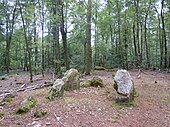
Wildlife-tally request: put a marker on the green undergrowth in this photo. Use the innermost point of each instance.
(69, 100)
(124, 105)
(1, 114)
(39, 114)
(7, 100)
(29, 103)
(99, 68)
(94, 82)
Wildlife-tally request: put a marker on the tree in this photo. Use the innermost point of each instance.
(27, 40)
(88, 65)
(9, 31)
(164, 34)
(63, 30)
(57, 61)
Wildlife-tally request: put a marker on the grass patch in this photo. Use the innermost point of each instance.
(40, 92)
(165, 97)
(116, 117)
(26, 105)
(99, 68)
(7, 99)
(1, 114)
(124, 105)
(69, 100)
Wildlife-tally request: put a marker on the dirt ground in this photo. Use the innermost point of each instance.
(91, 107)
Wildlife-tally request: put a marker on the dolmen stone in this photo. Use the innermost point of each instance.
(123, 84)
(69, 82)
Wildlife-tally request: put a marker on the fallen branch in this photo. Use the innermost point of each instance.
(58, 119)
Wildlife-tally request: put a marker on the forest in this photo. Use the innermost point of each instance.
(42, 40)
(40, 35)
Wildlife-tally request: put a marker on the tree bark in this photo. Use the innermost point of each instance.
(135, 47)
(88, 66)
(27, 45)
(145, 37)
(9, 38)
(63, 31)
(42, 28)
(164, 35)
(56, 38)
(36, 45)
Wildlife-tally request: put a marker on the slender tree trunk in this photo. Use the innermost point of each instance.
(160, 39)
(88, 66)
(9, 34)
(141, 52)
(35, 43)
(58, 53)
(145, 37)
(27, 45)
(63, 31)
(120, 56)
(95, 42)
(136, 3)
(135, 46)
(125, 45)
(42, 28)
(164, 35)
(56, 39)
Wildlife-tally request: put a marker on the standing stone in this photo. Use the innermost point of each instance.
(71, 80)
(57, 89)
(124, 86)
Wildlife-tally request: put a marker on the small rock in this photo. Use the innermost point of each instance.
(48, 123)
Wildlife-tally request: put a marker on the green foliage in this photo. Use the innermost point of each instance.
(109, 50)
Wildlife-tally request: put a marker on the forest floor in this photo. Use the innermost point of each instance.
(91, 107)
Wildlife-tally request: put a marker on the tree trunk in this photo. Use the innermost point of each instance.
(96, 38)
(145, 37)
(36, 45)
(63, 31)
(27, 45)
(135, 47)
(141, 53)
(120, 53)
(9, 38)
(136, 3)
(42, 28)
(88, 66)
(164, 35)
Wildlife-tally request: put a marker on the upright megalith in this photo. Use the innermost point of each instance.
(71, 80)
(57, 89)
(123, 84)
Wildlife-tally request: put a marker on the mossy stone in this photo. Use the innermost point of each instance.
(27, 104)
